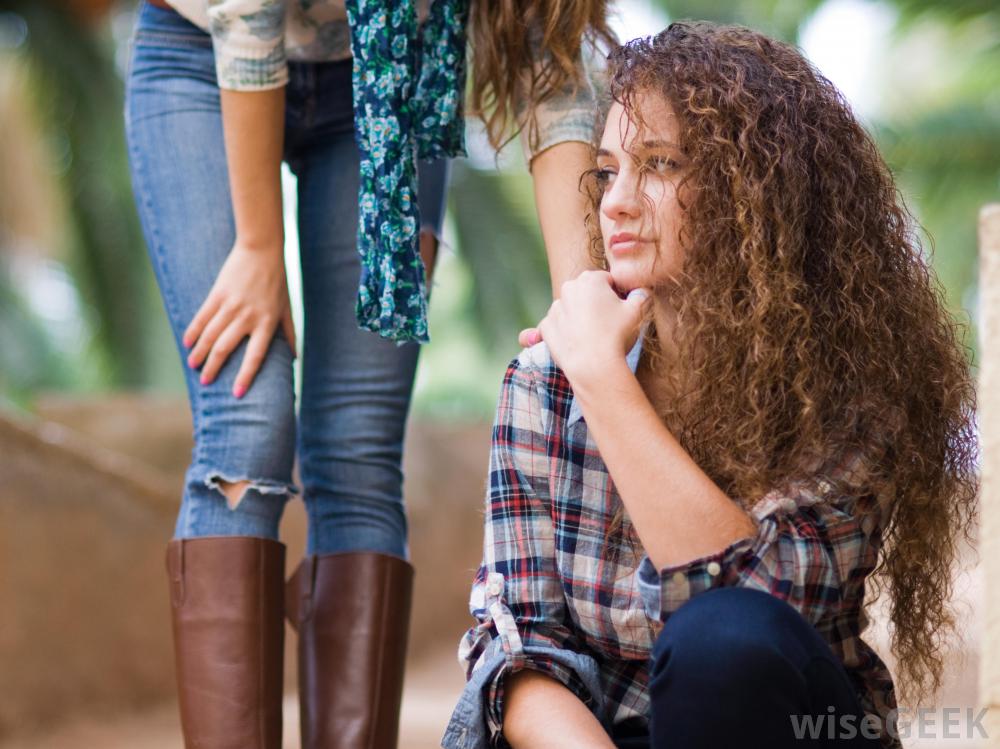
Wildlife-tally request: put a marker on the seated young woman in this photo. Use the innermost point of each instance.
(757, 413)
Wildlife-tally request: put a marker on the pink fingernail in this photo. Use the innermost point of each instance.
(204, 380)
(239, 391)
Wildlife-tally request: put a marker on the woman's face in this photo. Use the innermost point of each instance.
(640, 214)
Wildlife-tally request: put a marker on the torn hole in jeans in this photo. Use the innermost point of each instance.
(235, 489)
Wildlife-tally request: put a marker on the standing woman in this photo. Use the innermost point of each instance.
(218, 95)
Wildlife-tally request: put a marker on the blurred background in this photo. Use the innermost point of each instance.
(94, 431)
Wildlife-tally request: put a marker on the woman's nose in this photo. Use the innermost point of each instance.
(623, 197)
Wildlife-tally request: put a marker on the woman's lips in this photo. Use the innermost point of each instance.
(623, 243)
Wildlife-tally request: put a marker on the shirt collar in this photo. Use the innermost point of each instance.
(631, 359)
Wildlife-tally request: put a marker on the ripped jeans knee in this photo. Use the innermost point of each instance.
(235, 489)
(230, 503)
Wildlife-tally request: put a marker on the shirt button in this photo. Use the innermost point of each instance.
(494, 584)
(678, 577)
(713, 568)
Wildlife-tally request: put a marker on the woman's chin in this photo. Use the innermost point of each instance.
(627, 278)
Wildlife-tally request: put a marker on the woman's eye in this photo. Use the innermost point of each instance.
(663, 164)
(603, 176)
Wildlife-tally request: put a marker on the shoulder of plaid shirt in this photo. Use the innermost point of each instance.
(806, 550)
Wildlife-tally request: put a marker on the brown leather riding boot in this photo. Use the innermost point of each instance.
(352, 613)
(227, 599)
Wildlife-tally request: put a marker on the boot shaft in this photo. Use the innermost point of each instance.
(227, 604)
(352, 613)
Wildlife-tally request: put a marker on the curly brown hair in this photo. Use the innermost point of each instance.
(526, 51)
(809, 320)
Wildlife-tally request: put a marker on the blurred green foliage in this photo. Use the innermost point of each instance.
(77, 93)
(941, 132)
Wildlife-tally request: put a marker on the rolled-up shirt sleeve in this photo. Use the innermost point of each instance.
(806, 547)
(517, 597)
(248, 39)
(569, 114)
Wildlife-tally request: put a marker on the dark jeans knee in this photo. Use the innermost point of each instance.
(735, 666)
(735, 617)
(731, 635)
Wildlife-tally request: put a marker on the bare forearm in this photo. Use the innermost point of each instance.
(561, 209)
(541, 713)
(678, 511)
(254, 127)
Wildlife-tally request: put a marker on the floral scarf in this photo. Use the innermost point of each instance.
(409, 85)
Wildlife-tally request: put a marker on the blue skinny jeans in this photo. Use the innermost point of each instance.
(356, 387)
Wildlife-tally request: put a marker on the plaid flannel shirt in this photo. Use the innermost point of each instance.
(552, 596)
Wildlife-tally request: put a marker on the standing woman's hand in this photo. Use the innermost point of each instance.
(589, 326)
(249, 298)
(250, 294)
